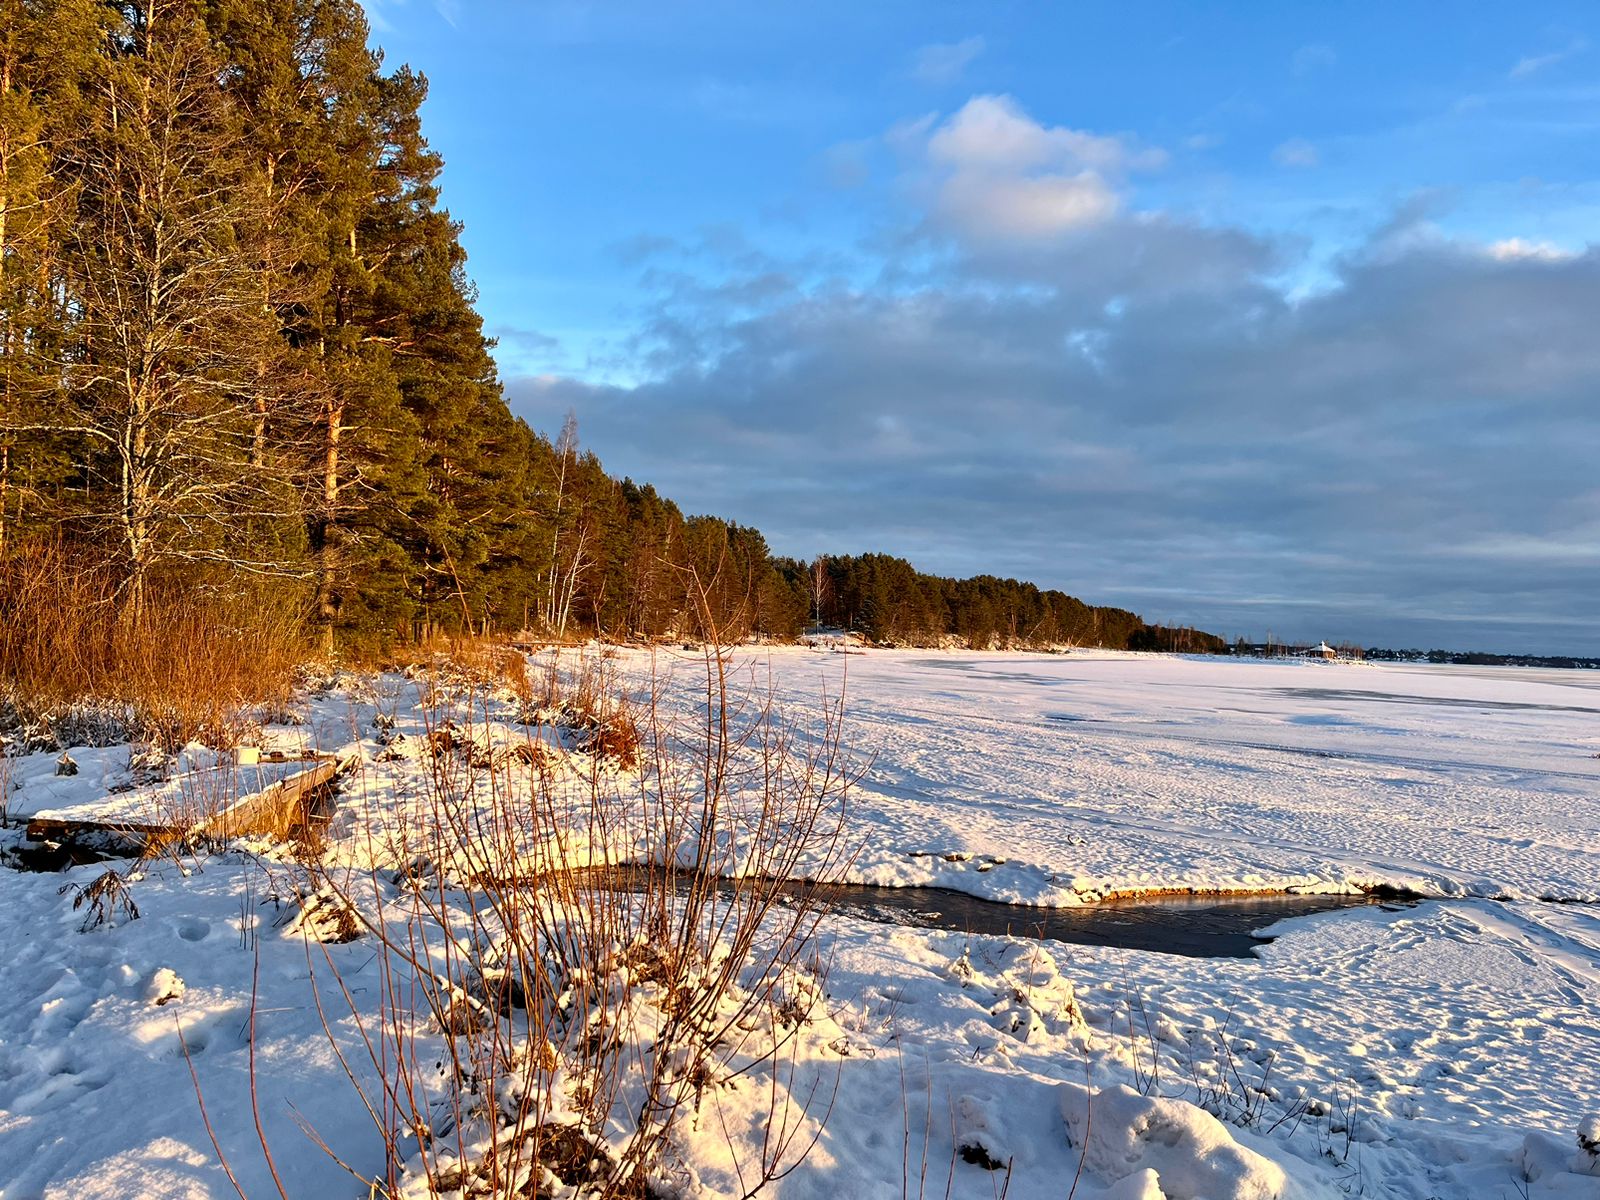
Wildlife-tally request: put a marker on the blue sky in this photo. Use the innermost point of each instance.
(1262, 317)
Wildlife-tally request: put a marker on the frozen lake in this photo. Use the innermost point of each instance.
(1089, 774)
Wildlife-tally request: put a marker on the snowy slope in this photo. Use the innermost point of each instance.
(1443, 1050)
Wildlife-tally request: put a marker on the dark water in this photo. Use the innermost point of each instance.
(1194, 926)
(51, 856)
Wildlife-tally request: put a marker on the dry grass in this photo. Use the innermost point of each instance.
(77, 666)
(616, 739)
(486, 660)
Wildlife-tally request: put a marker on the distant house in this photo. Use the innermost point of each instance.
(1290, 650)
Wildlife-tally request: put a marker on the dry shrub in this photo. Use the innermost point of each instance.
(544, 1017)
(106, 896)
(616, 739)
(327, 917)
(582, 695)
(481, 660)
(188, 664)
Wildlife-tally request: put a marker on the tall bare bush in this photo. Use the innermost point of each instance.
(548, 1010)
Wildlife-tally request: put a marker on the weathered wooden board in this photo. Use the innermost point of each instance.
(274, 809)
(222, 802)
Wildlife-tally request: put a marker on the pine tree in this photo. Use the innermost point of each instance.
(359, 445)
(47, 55)
(237, 333)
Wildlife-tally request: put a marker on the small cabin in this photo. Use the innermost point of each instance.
(1320, 650)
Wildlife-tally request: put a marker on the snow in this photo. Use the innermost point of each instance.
(109, 789)
(1191, 1154)
(1445, 1049)
(1095, 773)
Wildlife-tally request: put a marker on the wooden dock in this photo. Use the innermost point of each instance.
(222, 802)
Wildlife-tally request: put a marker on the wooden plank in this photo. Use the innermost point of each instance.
(40, 828)
(272, 809)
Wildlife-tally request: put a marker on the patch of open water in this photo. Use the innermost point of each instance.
(1196, 926)
(1193, 925)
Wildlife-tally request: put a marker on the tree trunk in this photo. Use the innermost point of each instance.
(326, 539)
(5, 492)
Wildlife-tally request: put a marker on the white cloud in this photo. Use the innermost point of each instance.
(946, 62)
(1296, 152)
(1570, 548)
(994, 132)
(1003, 175)
(1532, 64)
(375, 17)
(381, 15)
(847, 164)
(1426, 423)
(1027, 208)
(1512, 249)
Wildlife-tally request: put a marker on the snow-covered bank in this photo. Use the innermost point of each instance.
(1411, 1054)
(1445, 1050)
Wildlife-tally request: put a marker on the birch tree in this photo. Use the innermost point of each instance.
(161, 379)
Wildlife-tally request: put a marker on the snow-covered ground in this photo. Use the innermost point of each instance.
(1091, 773)
(1450, 1049)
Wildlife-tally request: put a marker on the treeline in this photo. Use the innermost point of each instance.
(239, 350)
(1480, 658)
(887, 600)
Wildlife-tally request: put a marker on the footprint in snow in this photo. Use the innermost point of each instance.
(62, 1087)
(222, 1031)
(61, 1014)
